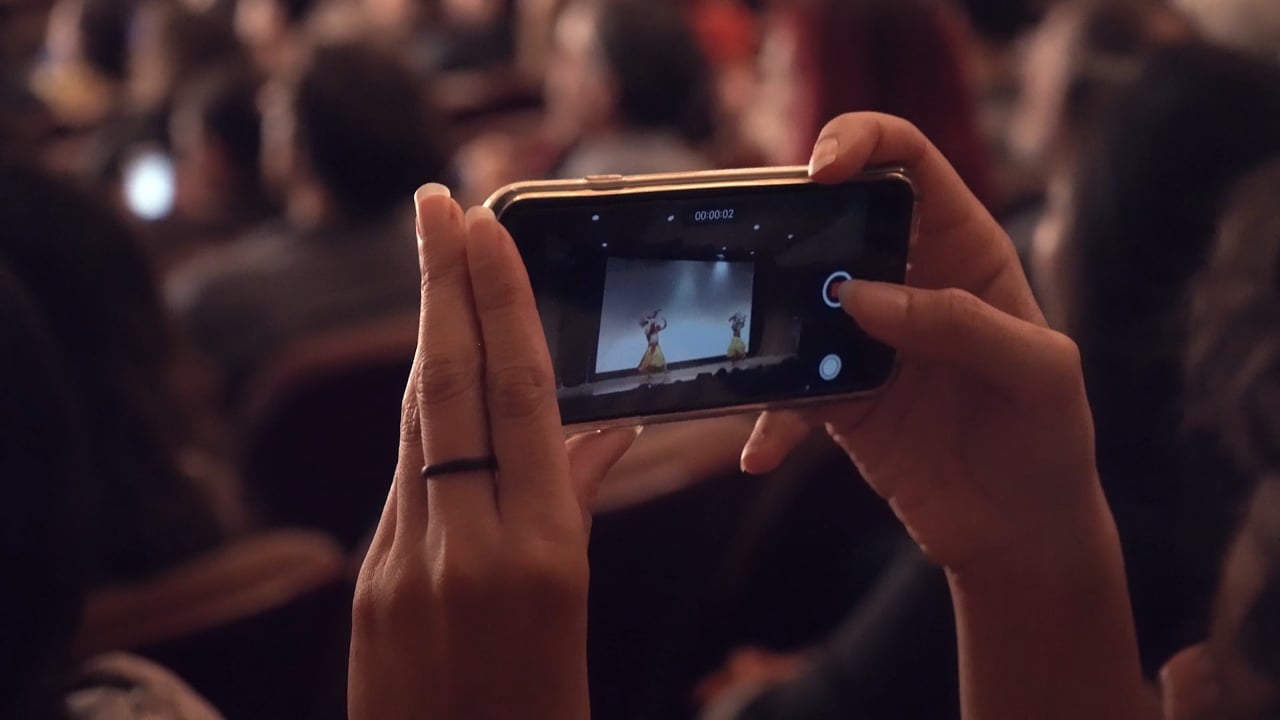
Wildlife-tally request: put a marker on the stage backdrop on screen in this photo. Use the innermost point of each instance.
(696, 297)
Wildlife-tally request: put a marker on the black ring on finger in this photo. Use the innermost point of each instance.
(461, 465)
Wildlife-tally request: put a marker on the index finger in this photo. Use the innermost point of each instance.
(534, 487)
(960, 244)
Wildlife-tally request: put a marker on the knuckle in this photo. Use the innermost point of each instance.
(462, 583)
(519, 391)
(405, 599)
(960, 307)
(937, 311)
(410, 422)
(959, 300)
(1067, 353)
(446, 375)
(387, 595)
(364, 609)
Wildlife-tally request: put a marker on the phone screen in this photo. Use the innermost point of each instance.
(695, 300)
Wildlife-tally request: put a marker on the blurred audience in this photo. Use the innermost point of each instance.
(465, 35)
(1077, 60)
(170, 44)
(347, 135)
(267, 150)
(157, 498)
(1233, 351)
(1145, 204)
(164, 45)
(908, 58)
(83, 70)
(627, 90)
(44, 463)
(1232, 373)
(47, 465)
(270, 29)
(1249, 25)
(216, 133)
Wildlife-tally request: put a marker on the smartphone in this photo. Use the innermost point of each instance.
(671, 297)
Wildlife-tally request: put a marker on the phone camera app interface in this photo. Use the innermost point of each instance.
(678, 302)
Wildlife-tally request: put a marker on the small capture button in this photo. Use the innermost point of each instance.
(830, 367)
(831, 288)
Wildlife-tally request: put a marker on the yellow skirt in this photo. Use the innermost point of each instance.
(653, 360)
(737, 349)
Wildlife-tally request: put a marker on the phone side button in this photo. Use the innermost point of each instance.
(603, 179)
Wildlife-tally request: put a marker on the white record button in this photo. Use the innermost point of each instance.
(831, 288)
(830, 367)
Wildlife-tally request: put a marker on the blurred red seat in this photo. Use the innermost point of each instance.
(260, 627)
(322, 428)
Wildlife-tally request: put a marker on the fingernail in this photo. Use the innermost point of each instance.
(429, 190)
(875, 298)
(479, 212)
(824, 153)
(424, 192)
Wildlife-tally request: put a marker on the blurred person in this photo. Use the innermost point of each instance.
(627, 91)
(909, 58)
(1233, 349)
(158, 497)
(43, 463)
(439, 36)
(729, 34)
(48, 476)
(1000, 28)
(81, 77)
(83, 68)
(893, 655)
(171, 44)
(270, 29)
(1144, 209)
(1249, 25)
(467, 35)
(1233, 375)
(26, 126)
(344, 132)
(216, 135)
(472, 599)
(1076, 60)
(1002, 21)
(167, 43)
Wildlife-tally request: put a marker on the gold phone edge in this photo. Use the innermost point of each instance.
(598, 186)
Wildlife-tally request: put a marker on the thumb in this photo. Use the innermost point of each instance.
(591, 456)
(954, 327)
(776, 434)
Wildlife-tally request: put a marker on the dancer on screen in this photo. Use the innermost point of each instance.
(653, 361)
(737, 347)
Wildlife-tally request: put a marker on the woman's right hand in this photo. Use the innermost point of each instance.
(984, 441)
(983, 446)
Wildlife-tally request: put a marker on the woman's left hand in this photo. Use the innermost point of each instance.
(472, 601)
